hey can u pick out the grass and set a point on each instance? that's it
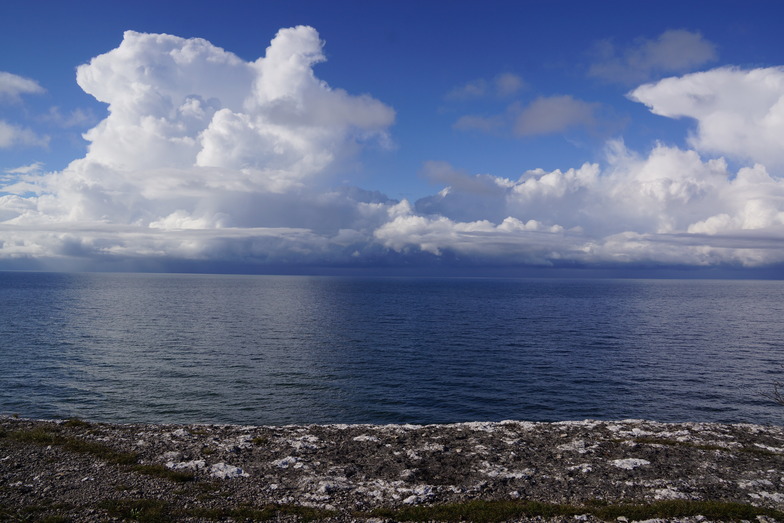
(145, 510)
(76, 422)
(35, 513)
(52, 436)
(260, 441)
(46, 436)
(497, 511)
(153, 510)
(479, 511)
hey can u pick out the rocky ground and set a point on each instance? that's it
(78, 471)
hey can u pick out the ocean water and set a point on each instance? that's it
(292, 349)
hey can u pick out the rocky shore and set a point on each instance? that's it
(73, 470)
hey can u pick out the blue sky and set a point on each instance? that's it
(514, 134)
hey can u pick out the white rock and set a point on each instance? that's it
(668, 493)
(582, 467)
(286, 462)
(776, 497)
(630, 463)
(195, 464)
(577, 446)
(226, 471)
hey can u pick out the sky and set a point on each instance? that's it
(521, 137)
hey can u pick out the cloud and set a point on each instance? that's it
(673, 51)
(669, 207)
(238, 153)
(545, 115)
(507, 84)
(13, 135)
(12, 87)
(554, 114)
(208, 158)
(739, 113)
(26, 169)
(501, 86)
(188, 103)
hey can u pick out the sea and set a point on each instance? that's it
(274, 350)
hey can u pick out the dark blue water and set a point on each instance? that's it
(275, 350)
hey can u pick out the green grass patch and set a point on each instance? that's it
(478, 511)
(36, 513)
(37, 436)
(100, 451)
(497, 511)
(76, 422)
(718, 510)
(145, 510)
(260, 441)
(47, 436)
(53, 436)
(265, 513)
(153, 510)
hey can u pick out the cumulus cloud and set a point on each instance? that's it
(13, 86)
(673, 51)
(204, 156)
(553, 114)
(739, 113)
(197, 139)
(188, 103)
(669, 207)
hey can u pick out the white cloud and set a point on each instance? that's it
(669, 207)
(554, 114)
(14, 135)
(673, 51)
(739, 113)
(204, 156)
(185, 103)
(12, 87)
(26, 169)
(196, 139)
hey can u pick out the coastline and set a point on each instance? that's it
(75, 470)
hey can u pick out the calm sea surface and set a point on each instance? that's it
(276, 350)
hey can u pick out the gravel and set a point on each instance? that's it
(79, 471)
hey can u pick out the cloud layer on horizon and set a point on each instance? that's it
(204, 156)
